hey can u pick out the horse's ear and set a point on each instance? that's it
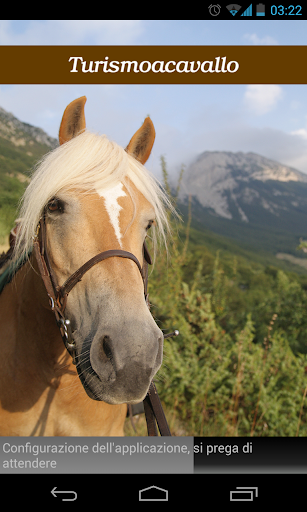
(142, 141)
(73, 120)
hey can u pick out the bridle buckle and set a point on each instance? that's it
(65, 328)
(65, 325)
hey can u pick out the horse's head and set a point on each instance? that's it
(118, 344)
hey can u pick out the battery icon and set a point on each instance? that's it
(260, 10)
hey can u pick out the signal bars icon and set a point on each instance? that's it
(248, 11)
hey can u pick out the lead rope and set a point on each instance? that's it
(153, 410)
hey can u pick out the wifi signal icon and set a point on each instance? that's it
(233, 8)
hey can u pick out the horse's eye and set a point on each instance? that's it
(150, 223)
(55, 205)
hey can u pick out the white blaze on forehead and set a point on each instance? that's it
(110, 196)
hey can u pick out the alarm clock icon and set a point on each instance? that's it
(214, 10)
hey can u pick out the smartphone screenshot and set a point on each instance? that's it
(153, 268)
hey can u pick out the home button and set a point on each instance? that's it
(153, 493)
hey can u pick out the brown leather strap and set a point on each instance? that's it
(150, 418)
(44, 255)
(77, 276)
(42, 267)
(154, 412)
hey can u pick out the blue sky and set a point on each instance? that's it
(267, 119)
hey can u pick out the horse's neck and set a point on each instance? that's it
(36, 328)
(37, 377)
(30, 336)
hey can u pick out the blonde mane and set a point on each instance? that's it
(87, 162)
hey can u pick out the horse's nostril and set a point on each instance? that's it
(106, 343)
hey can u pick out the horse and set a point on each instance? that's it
(86, 197)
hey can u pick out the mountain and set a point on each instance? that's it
(21, 146)
(250, 198)
(23, 134)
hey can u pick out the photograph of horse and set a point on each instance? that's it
(78, 274)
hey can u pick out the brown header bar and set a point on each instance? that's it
(153, 64)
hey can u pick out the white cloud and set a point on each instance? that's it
(302, 132)
(70, 32)
(256, 40)
(262, 98)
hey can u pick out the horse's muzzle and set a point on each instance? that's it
(122, 372)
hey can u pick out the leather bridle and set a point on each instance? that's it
(58, 299)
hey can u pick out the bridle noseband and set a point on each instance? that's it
(58, 299)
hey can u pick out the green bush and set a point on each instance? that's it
(238, 367)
